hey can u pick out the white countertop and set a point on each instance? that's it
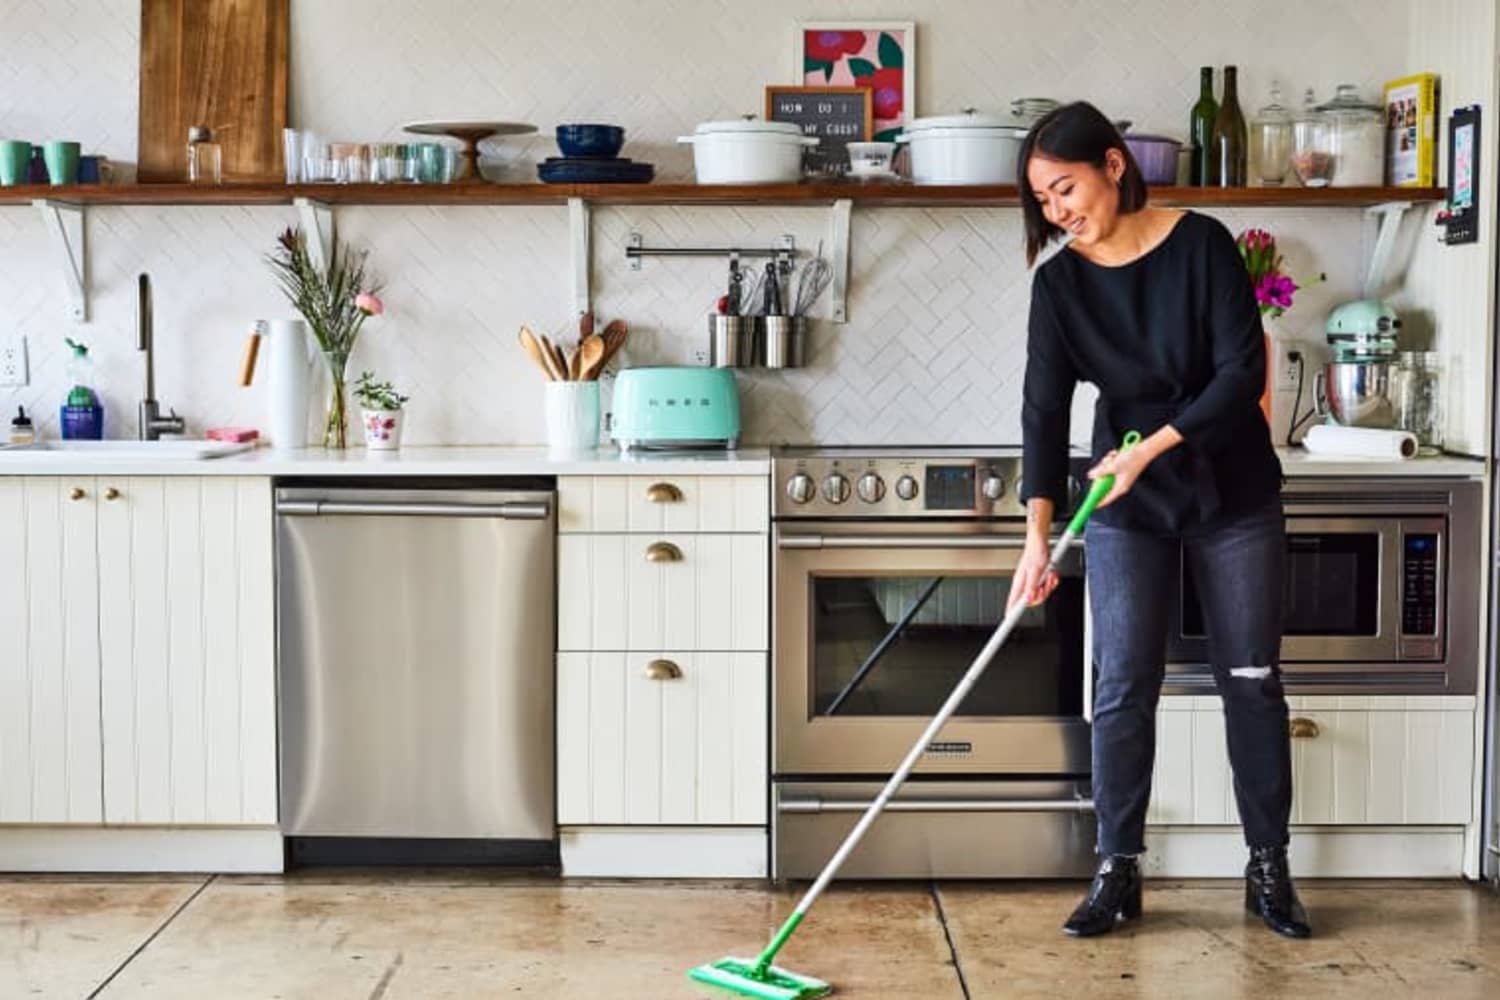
(1296, 462)
(514, 461)
(411, 461)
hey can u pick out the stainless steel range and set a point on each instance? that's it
(891, 569)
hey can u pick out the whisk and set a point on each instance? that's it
(814, 278)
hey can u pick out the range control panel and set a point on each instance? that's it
(933, 483)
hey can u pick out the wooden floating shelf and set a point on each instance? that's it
(895, 195)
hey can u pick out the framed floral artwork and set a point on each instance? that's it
(875, 54)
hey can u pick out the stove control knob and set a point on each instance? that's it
(835, 488)
(906, 488)
(871, 487)
(800, 488)
(993, 487)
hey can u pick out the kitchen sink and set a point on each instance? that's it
(74, 451)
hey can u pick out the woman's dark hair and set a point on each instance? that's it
(1073, 133)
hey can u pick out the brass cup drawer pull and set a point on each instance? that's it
(1304, 729)
(77, 493)
(663, 670)
(659, 552)
(111, 494)
(663, 493)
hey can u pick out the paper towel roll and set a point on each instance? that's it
(1364, 442)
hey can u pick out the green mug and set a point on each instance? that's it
(62, 162)
(15, 162)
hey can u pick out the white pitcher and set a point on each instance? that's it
(291, 375)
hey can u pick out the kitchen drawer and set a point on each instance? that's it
(663, 503)
(710, 592)
(661, 738)
(1367, 760)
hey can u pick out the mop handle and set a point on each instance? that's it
(1101, 487)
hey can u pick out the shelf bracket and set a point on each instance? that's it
(578, 246)
(65, 223)
(316, 218)
(838, 251)
(1390, 214)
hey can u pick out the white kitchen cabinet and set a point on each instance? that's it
(141, 687)
(661, 738)
(1382, 760)
(677, 591)
(186, 622)
(49, 652)
(655, 504)
(662, 675)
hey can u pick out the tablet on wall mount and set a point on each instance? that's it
(1461, 219)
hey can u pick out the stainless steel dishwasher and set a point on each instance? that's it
(415, 654)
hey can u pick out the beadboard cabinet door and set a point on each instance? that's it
(1384, 761)
(645, 592)
(49, 652)
(186, 628)
(661, 738)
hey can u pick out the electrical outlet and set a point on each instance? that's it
(1288, 369)
(13, 360)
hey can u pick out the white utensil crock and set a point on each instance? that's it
(572, 416)
(291, 374)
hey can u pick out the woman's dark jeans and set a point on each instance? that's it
(1239, 565)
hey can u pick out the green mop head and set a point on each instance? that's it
(740, 976)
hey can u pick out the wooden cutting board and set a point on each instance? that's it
(220, 63)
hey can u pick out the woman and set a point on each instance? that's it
(1155, 308)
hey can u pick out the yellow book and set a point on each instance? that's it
(1411, 131)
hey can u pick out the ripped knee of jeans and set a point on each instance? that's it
(1252, 673)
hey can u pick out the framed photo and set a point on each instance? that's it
(880, 55)
(835, 115)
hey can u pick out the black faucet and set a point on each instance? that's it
(152, 424)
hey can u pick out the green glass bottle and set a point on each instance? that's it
(1231, 141)
(1201, 129)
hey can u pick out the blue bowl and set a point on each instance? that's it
(590, 140)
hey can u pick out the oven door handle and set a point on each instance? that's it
(905, 542)
(820, 805)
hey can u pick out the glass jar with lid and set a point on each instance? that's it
(1271, 141)
(1312, 156)
(1356, 131)
(1416, 397)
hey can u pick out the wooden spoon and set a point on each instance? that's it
(592, 352)
(575, 363)
(533, 348)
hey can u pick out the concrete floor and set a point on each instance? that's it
(333, 934)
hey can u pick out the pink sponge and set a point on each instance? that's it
(231, 433)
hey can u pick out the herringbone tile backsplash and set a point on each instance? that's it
(933, 349)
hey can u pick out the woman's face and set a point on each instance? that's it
(1079, 198)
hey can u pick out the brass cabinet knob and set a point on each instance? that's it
(663, 493)
(1304, 729)
(663, 552)
(111, 494)
(663, 670)
(77, 493)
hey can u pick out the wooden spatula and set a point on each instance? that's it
(533, 347)
(555, 358)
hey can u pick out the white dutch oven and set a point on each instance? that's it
(964, 149)
(748, 152)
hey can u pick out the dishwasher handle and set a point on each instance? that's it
(530, 510)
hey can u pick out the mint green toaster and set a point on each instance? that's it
(675, 408)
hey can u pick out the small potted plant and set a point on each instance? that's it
(380, 408)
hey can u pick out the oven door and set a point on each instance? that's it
(1343, 594)
(874, 626)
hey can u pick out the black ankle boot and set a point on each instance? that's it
(1269, 893)
(1114, 895)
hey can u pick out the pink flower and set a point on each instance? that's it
(1275, 290)
(368, 304)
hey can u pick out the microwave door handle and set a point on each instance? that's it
(884, 644)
